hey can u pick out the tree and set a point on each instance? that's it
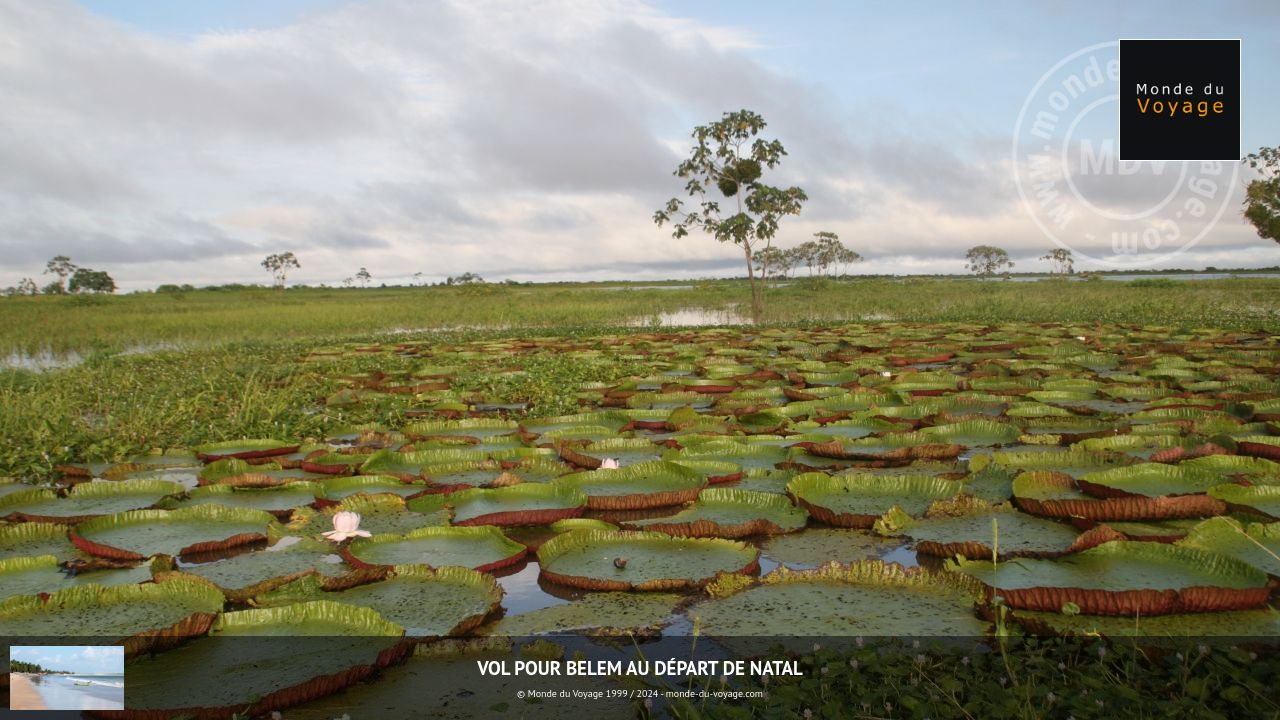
(730, 157)
(1262, 196)
(279, 265)
(986, 260)
(417, 276)
(347, 281)
(467, 278)
(94, 281)
(364, 277)
(61, 266)
(1060, 260)
(771, 258)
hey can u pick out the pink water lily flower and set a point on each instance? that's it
(346, 525)
(609, 464)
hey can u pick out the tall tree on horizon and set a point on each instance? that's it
(728, 156)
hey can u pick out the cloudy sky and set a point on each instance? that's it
(85, 659)
(181, 142)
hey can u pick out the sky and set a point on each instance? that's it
(82, 659)
(182, 142)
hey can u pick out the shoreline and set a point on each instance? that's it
(22, 693)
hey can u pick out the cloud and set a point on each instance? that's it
(509, 139)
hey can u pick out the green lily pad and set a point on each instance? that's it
(729, 513)
(605, 614)
(138, 534)
(1255, 543)
(1264, 499)
(523, 504)
(31, 538)
(482, 548)
(1252, 624)
(857, 500)
(380, 514)
(1149, 480)
(244, 575)
(115, 612)
(868, 598)
(338, 488)
(31, 575)
(603, 560)
(974, 433)
(636, 487)
(972, 532)
(332, 645)
(243, 449)
(273, 499)
(1125, 578)
(425, 601)
(88, 499)
(819, 546)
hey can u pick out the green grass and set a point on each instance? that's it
(60, 325)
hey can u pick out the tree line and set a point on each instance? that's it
(28, 667)
(69, 278)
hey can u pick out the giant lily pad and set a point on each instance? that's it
(1148, 480)
(330, 646)
(279, 500)
(1255, 543)
(974, 433)
(1125, 578)
(138, 534)
(618, 560)
(729, 513)
(523, 504)
(86, 500)
(1252, 624)
(972, 529)
(482, 548)
(604, 614)
(636, 487)
(865, 598)
(819, 546)
(340, 487)
(41, 574)
(244, 575)
(1055, 494)
(857, 500)
(244, 449)
(379, 514)
(425, 601)
(143, 617)
(31, 538)
(1263, 499)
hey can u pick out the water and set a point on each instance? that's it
(692, 317)
(48, 360)
(1163, 276)
(61, 692)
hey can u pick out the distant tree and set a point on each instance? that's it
(279, 265)
(1262, 196)
(1060, 260)
(771, 258)
(94, 281)
(417, 277)
(170, 288)
(730, 157)
(364, 277)
(25, 286)
(846, 257)
(347, 281)
(987, 260)
(806, 253)
(61, 266)
(467, 278)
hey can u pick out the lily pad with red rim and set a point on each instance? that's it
(244, 449)
(648, 561)
(138, 534)
(521, 504)
(483, 548)
(636, 487)
(857, 500)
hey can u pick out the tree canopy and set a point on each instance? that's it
(729, 156)
(987, 260)
(1262, 196)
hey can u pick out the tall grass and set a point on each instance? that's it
(60, 325)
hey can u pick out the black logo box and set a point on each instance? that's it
(1205, 73)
